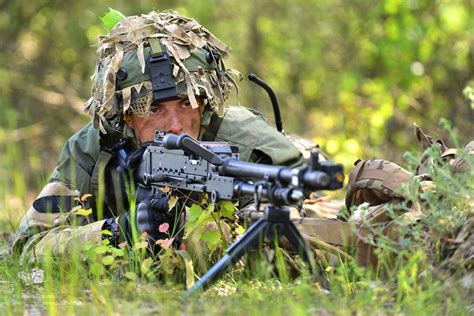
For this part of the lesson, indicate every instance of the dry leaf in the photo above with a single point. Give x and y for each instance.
(163, 228)
(172, 202)
(164, 243)
(76, 208)
(165, 189)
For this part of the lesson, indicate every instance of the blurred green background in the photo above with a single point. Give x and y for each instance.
(350, 75)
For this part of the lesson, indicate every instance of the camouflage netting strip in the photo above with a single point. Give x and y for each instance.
(139, 106)
(181, 36)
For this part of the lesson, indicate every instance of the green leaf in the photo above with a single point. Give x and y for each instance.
(203, 219)
(106, 232)
(146, 265)
(469, 93)
(91, 256)
(131, 275)
(188, 264)
(210, 208)
(84, 212)
(227, 209)
(88, 245)
(194, 212)
(108, 260)
(240, 230)
(212, 238)
(117, 252)
(140, 245)
(101, 249)
(111, 18)
(97, 269)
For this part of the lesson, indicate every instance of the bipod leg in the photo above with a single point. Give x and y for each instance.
(299, 244)
(280, 218)
(249, 240)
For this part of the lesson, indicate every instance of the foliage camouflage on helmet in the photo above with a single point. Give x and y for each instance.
(127, 46)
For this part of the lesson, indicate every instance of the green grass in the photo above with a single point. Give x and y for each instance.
(72, 292)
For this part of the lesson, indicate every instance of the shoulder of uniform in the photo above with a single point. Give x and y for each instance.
(85, 141)
(78, 157)
(83, 145)
(249, 130)
(238, 112)
(87, 130)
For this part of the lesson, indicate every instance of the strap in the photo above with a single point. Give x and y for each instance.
(470, 147)
(449, 152)
(390, 175)
(460, 164)
(355, 173)
(391, 180)
(353, 176)
(99, 168)
(211, 130)
(55, 203)
(155, 47)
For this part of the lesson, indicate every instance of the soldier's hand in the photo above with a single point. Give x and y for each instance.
(154, 217)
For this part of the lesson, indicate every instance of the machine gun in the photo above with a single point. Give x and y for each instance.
(213, 167)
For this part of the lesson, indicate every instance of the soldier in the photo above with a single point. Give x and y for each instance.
(158, 71)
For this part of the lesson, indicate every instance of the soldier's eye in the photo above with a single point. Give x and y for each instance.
(186, 105)
(154, 108)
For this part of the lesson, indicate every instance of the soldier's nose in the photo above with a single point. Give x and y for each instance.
(174, 125)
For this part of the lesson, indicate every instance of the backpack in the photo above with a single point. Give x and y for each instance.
(378, 183)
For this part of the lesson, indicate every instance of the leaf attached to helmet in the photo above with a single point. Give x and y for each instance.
(111, 18)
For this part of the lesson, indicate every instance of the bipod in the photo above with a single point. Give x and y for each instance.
(275, 223)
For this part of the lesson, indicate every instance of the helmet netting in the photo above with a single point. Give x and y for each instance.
(140, 106)
(181, 36)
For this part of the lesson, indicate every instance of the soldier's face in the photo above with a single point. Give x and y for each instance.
(176, 117)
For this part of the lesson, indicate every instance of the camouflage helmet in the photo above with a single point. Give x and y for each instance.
(157, 57)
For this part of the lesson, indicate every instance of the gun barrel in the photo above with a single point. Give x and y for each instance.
(236, 168)
(314, 180)
(274, 194)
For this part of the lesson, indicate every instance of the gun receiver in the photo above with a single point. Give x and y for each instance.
(213, 167)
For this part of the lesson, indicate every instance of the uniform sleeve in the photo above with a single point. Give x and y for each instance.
(46, 230)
